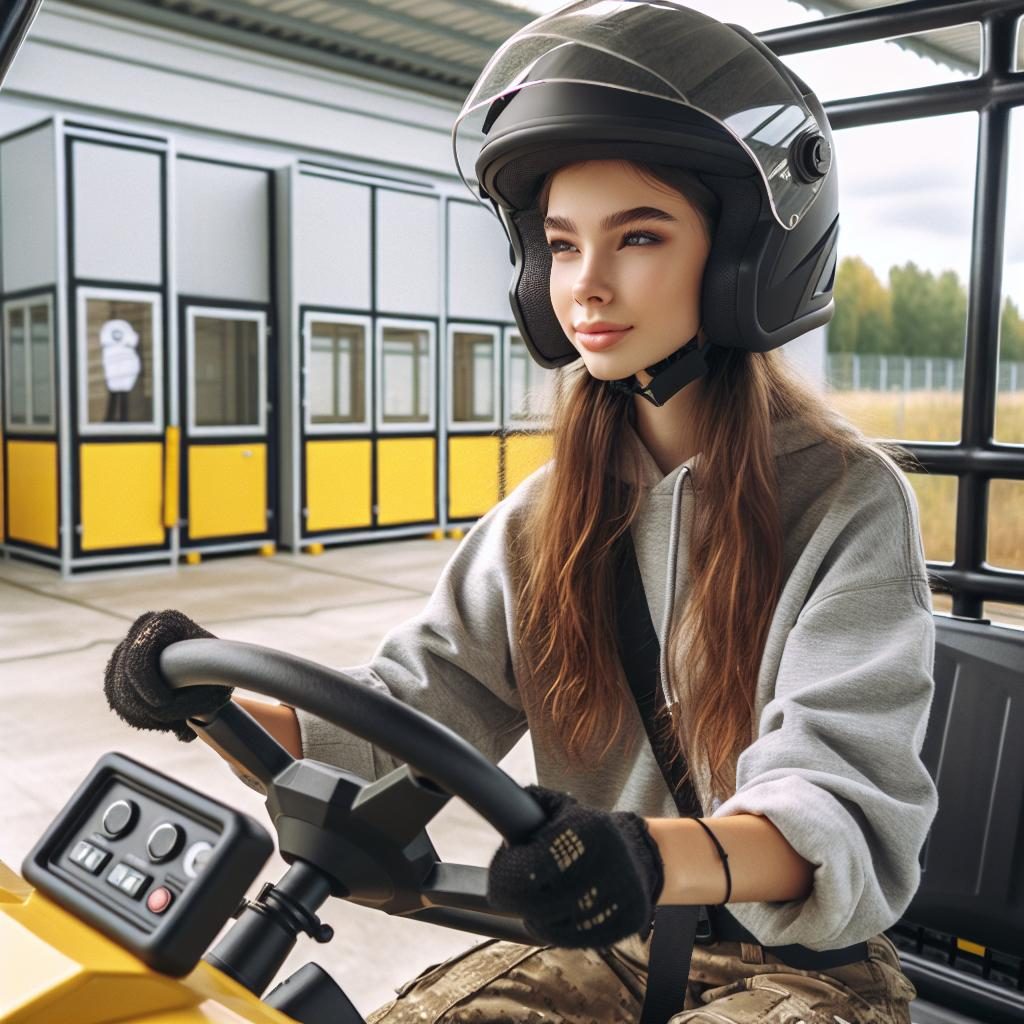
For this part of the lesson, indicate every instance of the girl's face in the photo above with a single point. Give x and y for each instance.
(627, 260)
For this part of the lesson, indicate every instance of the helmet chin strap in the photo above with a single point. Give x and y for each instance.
(668, 376)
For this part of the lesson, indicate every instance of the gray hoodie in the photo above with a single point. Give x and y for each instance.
(842, 698)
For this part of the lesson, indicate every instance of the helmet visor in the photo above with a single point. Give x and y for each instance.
(659, 49)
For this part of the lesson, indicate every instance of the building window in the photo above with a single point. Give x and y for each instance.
(226, 369)
(336, 372)
(406, 374)
(474, 394)
(120, 361)
(30, 363)
(530, 386)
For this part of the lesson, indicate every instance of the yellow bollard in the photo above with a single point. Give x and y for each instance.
(314, 549)
(436, 535)
(193, 558)
(457, 534)
(268, 550)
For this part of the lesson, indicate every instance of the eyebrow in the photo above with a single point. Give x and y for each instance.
(614, 220)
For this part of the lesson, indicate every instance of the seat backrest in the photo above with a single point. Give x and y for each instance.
(972, 881)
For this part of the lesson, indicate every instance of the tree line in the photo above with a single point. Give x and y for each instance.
(917, 314)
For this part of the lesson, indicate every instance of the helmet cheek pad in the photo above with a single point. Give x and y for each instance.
(530, 294)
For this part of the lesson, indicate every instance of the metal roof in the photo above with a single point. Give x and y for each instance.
(434, 46)
(958, 48)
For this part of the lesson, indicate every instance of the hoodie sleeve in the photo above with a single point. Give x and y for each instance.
(453, 661)
(836, 762)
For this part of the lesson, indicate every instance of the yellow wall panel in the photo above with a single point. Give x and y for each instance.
(32, 486)
(523, 454)
(227, 490)
(338, 484)
(406, 480)
(122, 489)
(472, 475)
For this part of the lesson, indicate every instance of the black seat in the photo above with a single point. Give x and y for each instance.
(971, 898)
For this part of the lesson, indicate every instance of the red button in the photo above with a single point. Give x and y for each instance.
(159, 900)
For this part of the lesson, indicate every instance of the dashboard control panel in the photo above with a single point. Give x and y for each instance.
(151, 863)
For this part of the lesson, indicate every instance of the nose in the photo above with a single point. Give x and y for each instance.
(592, 283)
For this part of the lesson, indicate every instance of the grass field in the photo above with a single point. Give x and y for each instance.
(935, 416)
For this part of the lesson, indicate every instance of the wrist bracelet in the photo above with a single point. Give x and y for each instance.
(725, 860)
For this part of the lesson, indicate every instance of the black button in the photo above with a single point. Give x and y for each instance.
(119, 817)
(164, 841)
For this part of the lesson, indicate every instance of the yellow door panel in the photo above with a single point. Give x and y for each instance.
(523, 454)
(32, 492)
(338, 484)
(122, 490)
(473, 464)
(227, 490)
(406, 480)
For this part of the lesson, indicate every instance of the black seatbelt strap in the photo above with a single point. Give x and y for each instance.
(675, 928)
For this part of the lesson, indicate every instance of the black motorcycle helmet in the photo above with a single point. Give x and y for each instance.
(655, 82)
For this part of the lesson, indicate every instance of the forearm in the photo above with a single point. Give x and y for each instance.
(278, 719)
(764, 867)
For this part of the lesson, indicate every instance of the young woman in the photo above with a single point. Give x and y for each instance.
(669, 193)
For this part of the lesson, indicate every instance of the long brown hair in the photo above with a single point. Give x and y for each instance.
(566, 607)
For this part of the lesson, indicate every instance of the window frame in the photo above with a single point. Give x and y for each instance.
(363, 426)
(538, 424)
(23, 305)
(408, 426)
(258, 316)
(155, 425)
(471, 426)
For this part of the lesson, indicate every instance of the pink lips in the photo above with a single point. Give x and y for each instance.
(599, 336)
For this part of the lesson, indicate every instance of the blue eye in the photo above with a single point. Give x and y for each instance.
(640, 238)
(632, 238)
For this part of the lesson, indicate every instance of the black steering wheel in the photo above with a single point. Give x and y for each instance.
(367, 839)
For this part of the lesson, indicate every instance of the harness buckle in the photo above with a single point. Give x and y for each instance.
(705, 934)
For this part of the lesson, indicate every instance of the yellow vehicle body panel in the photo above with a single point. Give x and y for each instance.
(339, 484)
(523, 454)
(32, 492)
(56, 969)
(406, 480)
(122, 489)
(473, 475)
(227, 490)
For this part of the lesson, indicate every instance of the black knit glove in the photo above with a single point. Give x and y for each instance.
(136, 690)
(585, 878)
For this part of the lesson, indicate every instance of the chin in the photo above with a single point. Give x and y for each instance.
(609, 369)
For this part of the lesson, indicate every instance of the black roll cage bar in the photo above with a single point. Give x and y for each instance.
(977, 458)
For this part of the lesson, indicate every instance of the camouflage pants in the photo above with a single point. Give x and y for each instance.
(729, 983)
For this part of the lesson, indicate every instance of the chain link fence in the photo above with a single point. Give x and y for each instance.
(848, 371)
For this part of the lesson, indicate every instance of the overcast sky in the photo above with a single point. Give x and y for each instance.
(906, 189)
